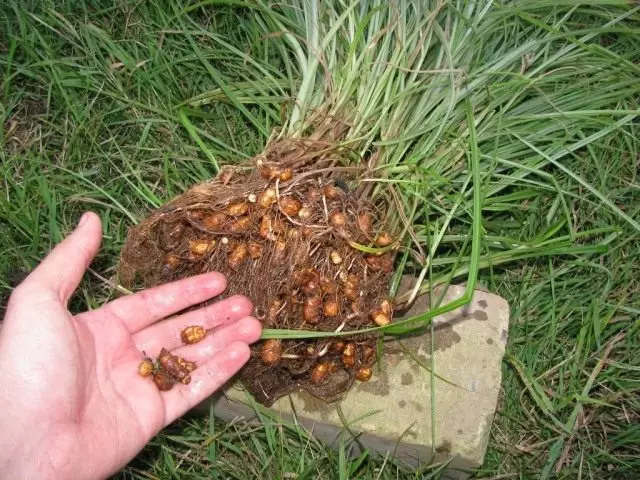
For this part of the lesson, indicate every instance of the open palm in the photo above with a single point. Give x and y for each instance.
(74, 404)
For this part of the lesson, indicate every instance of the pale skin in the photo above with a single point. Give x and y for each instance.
(72, 402)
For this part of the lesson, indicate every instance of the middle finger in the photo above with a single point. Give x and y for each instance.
(246, 330)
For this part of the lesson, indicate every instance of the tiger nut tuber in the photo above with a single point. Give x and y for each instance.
(290, 206)
(349, 355)
(200, 247)
(364, 374)
(146, 367)
(267, 198)
(319, 373)
(193, 334)
(271, 352)
(238, 209)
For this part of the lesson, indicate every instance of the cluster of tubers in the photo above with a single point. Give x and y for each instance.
(170, 369)
(309, 253)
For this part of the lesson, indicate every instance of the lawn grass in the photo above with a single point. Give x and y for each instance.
(119, 108)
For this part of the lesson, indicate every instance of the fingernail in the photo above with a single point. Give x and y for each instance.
(83, 219)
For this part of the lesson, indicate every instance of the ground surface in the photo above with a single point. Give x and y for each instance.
(87, 124)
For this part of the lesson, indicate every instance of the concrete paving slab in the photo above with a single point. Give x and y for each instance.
(392, 413)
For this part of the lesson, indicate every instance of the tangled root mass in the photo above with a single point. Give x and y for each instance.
(288, 237)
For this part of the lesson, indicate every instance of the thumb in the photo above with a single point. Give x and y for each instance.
(61, 271)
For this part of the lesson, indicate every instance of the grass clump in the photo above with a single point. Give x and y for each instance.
(507, 133)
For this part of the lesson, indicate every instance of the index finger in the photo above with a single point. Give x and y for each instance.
(144, 308)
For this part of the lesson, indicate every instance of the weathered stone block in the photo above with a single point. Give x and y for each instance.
(403, 410)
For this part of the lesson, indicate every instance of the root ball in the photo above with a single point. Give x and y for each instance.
(282, 233)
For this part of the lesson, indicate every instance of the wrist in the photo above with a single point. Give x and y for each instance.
(22, 454)
(25, 463)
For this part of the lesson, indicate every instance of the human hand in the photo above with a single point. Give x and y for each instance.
(72, 401)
